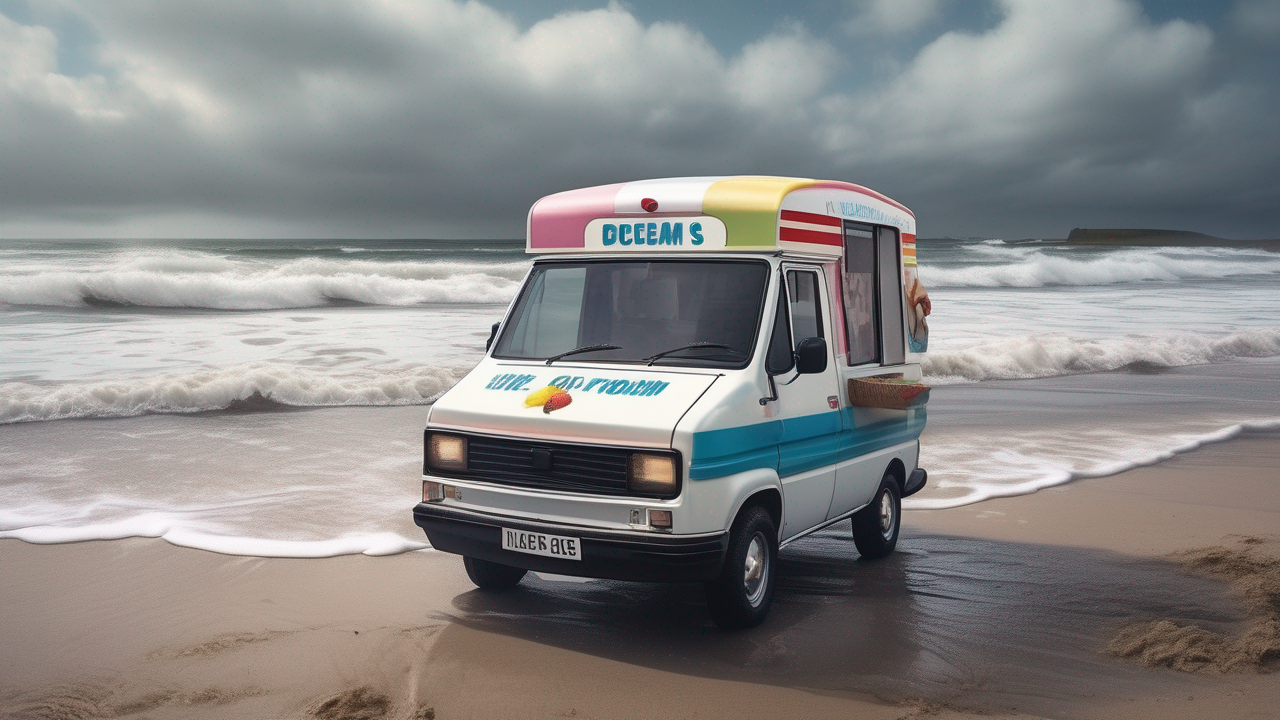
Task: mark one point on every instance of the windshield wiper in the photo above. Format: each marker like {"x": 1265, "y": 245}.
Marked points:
{"x": 583, "y": 349}
{"x": 655, "y": 358}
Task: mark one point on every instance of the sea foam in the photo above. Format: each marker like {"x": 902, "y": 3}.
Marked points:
{"x": 1026, "y": 463}
{"x": 1052, "y": 354}
{"x": 171, "y": 529}
{"x": 222, "y": 388}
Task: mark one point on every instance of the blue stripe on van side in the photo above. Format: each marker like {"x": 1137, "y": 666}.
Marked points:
{"x": 795, "y": 445}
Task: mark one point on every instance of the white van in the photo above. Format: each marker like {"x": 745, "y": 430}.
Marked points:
{"x": 681, "y": 387}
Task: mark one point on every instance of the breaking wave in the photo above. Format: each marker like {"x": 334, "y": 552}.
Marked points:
{"x": 188, "y": 280}
{"x": 255, "y": 386}
{"x": 1048, "y": 355}
{"x": 1040, "y": 269}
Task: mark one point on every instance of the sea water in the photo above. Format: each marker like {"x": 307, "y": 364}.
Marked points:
{"x": 173, "y": 388}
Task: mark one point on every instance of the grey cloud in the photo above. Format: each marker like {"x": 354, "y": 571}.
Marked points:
{"x": 441, "y": 118}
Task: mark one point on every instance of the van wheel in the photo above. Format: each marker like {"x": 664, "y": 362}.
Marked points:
{"x": 740, "y": 597}
{"x": 491, "y": 576}
{"x": 875, "y": 527}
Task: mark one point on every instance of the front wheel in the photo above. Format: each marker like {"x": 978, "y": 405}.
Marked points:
{"x": 491, "y": 576}
{"x": 740, "y": 597}
{"x": 875, "y": 527}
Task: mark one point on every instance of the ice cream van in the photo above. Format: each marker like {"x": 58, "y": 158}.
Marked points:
{"x": 694, "y": 373}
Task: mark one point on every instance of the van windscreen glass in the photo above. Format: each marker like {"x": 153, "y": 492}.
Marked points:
{"x": 647, "y": 309}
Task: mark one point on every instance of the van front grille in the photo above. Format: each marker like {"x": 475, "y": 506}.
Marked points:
{"x": 546, "y": 465}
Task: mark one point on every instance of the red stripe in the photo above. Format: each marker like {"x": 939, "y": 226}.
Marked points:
{"x": 797, "y": 216}
{"x": 812, "y": 237}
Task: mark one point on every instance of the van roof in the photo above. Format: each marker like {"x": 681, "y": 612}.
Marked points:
{"x": 755, "y": 214}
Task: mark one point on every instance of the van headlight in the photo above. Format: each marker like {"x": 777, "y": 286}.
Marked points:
{"x": 652, "y": 474}
{"x": 446, "y": 452}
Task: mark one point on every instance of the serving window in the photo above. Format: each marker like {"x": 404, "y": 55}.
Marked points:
{"x": 872, "y": 293}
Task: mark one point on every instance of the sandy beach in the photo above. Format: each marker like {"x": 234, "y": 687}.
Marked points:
{"x": 1004, "y": 608}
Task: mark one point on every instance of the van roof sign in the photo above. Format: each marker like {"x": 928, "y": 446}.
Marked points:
{"x": 742, "y": 213}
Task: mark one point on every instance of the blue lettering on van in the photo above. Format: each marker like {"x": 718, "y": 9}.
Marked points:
{"x": 664, "y": 234}
{"x": 601, "y": 385}
{"x": 510, "y": 381}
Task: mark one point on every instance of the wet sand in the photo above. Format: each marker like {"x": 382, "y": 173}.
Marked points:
{"x": 1005, "y": 608}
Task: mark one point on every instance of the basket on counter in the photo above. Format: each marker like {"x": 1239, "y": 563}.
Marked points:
{"x": 887, "y": 391}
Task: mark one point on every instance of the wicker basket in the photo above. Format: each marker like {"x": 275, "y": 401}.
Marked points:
{"x": 868, "y": 392}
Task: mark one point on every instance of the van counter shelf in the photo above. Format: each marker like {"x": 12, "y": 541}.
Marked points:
{"x": 887, "y": 391}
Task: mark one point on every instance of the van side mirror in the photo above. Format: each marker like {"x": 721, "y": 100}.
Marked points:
{"x": 493, "y": 333}
{"x": 811, "y": 356}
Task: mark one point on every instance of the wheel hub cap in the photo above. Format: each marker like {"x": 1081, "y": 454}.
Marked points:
{"x": 756, "y": 569}
{"x": 886, "y": 514}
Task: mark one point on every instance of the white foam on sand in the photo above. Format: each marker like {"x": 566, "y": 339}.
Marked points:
{"x": 964, "y": 470}
{"x": 171, "y": 529}
{"x": 221, "y": 388}
{"x": 1054, "y": 354}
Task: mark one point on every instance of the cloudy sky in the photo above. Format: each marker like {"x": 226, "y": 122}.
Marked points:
{"x": 437, "y": 118}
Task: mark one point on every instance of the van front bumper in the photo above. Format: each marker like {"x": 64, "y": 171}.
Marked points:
{"x": 613, "y": 555}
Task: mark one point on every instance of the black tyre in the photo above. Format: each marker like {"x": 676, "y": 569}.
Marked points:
{"x": 875, "y": 527}
{"x": 740, "y": 597}
{"x": 491, "y": 576}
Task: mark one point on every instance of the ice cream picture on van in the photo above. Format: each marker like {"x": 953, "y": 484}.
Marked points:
{"x": 703, "y": 352}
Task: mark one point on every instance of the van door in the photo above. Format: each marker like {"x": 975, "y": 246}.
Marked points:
{"x": 807, "y": 405}
{"x": 874, "y": 304}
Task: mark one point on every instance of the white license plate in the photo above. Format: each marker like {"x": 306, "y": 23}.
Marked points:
{"x": 565, "y": 548}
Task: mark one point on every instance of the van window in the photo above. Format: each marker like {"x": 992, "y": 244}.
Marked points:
{"x": 656, "y": 308}
{"x": 891, "y": 298}
{"x": 780, "y": 358}
{"x": 806, "y": 315}
{"x": 550, "y": 322}
{"x": 859, "y": 290}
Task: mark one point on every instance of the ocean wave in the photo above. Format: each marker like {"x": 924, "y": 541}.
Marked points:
{"x": 1048, "y": 355}
{"x": 254, "y": 386}
{"x": 1024, "y": 465}
{"x": 1040, "y": 269}
{"x": 286, "y": 288}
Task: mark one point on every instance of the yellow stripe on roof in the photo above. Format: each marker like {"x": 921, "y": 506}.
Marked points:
{"x": 748, "y": 207}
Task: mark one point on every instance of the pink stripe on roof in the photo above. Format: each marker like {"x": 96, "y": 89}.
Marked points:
{"x": 560, "y": 220}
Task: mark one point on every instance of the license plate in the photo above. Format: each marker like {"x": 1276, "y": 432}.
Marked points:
{"x": 565, "y": 548}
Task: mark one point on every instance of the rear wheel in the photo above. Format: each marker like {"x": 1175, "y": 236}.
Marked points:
{"x": 740, "y": 597}
{"x": 491, "y": 576}
{"x": 875, "y": 527}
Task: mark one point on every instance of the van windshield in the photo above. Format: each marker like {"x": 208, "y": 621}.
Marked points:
{"x": 652, "y": 312}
